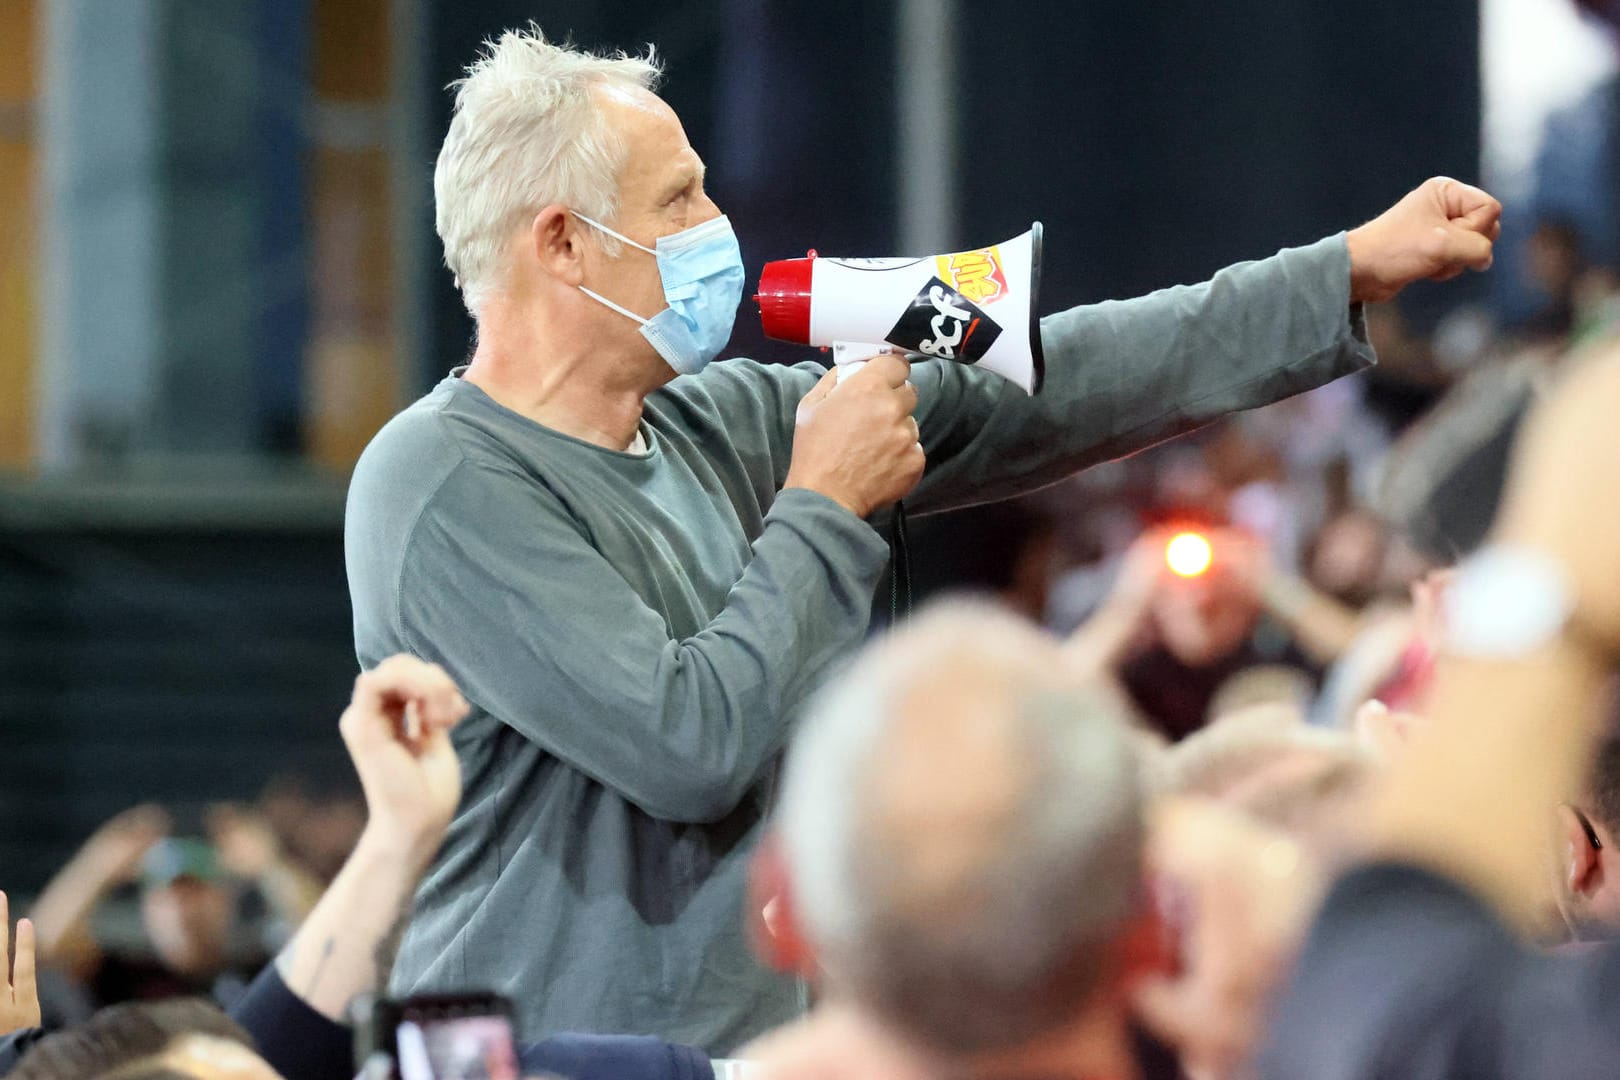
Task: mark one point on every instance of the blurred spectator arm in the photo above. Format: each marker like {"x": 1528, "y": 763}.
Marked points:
{"x": 1509, "y": 736}
{"x": 1103, "y": 642}
{"x": 248, "y": 848}
{"x": 1322, "y": 626}
{"x": 111, "y": 857}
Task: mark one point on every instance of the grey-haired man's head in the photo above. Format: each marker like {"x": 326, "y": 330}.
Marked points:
{"x": 962, "y": 824}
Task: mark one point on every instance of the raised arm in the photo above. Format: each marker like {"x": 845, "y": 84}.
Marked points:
{"x": 111, "y": 857}
{"x": 1123, "y": 375}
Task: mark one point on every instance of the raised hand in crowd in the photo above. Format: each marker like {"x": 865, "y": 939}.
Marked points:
{"x": 856, "y": 441}
{"x": 19, "y": 994}
{"x": 111, "y": 857}
{"x": 397, "y": 730}
{"x": 1122, "y": 620}
{"x": 248, "y": 848}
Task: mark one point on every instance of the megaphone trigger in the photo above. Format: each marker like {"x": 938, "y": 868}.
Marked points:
{"x": 850, "y": 356}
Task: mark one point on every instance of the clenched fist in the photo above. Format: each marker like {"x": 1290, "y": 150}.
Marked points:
{"x": 1439, "y": 230}
{"x": 857, "y": 442}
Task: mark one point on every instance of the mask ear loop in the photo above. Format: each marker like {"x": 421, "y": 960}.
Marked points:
{"x": 605, "y": 302}
{"x": 593, "y": 223}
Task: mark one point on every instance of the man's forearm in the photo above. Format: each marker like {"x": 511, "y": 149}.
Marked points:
{"x": 1122, "y": 375}
{"x": 346, "y": 946}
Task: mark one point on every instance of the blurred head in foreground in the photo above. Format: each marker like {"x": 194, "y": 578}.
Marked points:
{"x": 963, "y": 831}
{"x": 182, "y": 1039}
{"x": 1308, "y": 783}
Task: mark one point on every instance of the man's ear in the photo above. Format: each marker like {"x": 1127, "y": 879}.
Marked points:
{"x": 556, "y": 238}
{"x": 773, "y": 923}
{"x": 1582, "y": 867}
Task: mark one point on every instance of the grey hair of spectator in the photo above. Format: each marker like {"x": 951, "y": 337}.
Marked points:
{"x": 963, "y": 828}
{"x": 1263, "y": 760}
{"x": 137, "y": 1041}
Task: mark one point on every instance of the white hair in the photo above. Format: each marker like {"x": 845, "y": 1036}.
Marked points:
{"x": 528, "y": 131}
{"x": 1006, "y": 948}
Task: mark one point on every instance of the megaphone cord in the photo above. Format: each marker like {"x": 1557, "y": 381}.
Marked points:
{"x": 899, "y": 566}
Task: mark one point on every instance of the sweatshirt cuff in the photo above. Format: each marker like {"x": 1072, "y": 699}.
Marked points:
{"x": 298, "y": 1042}
{"x": 1350, "y": 316}
{"x": 815, "y": 517}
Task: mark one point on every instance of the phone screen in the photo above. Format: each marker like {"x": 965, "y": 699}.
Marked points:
{"x": 441, "y": 1044}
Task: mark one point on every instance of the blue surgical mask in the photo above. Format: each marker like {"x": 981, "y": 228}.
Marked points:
{"x": 702, "y": 272}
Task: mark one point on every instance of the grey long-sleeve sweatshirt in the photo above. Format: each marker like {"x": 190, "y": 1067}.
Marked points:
{"x": 636, "y": 631}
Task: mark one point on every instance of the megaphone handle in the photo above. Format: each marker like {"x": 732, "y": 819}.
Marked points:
{"x": 850, "y": 356}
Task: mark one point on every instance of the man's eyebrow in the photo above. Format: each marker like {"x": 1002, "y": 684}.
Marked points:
{"x": 675, "y": 187}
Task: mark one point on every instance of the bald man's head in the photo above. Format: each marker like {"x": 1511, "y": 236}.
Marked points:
{"x": 962, "y": 824}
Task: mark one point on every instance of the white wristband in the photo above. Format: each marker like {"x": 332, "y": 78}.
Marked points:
{"x": 1507, "y": 602}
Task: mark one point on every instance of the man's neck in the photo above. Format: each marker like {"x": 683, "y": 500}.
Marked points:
{"x": 573, "y": 387}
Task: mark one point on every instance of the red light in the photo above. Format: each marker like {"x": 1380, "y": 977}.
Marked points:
{"x": 1188, "y": 554}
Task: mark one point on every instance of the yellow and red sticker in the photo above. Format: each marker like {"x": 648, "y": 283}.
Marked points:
{"x": 975, "y": 274}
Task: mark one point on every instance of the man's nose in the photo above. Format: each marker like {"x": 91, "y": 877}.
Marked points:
{"x": 706, "y": 210}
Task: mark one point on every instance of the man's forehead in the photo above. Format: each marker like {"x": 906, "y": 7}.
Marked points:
{"x": 639, "y": 112}
{"x": 659, "y": 151}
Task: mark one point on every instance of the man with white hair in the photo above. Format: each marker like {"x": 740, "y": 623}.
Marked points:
{"x": 638, "y": 564}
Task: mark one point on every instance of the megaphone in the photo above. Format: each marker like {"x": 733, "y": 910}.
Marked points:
{"x": 972, "y": 307}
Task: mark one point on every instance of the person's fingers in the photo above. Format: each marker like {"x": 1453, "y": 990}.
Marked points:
{"x": 24, "y": 980}
{"x": 1482, "y": 218}
{"x": 1466, "y": 202}
{"x": 1469, "y": 248}
{"x": 439, "y": 700}
{"x": 908, "y": 395}
{"x": 154, "y": 820}
{"x": 5, "y": 936}
{"x": 401, "y": 679}
{"x": 890, "y": 368}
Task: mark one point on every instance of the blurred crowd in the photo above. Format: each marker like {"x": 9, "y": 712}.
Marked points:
{"x": 147, "y": 910}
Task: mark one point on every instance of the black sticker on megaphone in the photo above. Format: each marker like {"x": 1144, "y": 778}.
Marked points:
{"x": 942, "y": 322}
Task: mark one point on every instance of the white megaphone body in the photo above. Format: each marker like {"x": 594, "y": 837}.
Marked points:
{"x": 972, "y": 307}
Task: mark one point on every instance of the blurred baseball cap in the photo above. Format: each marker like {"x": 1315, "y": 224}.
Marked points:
{"x": 173, "y": 858}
